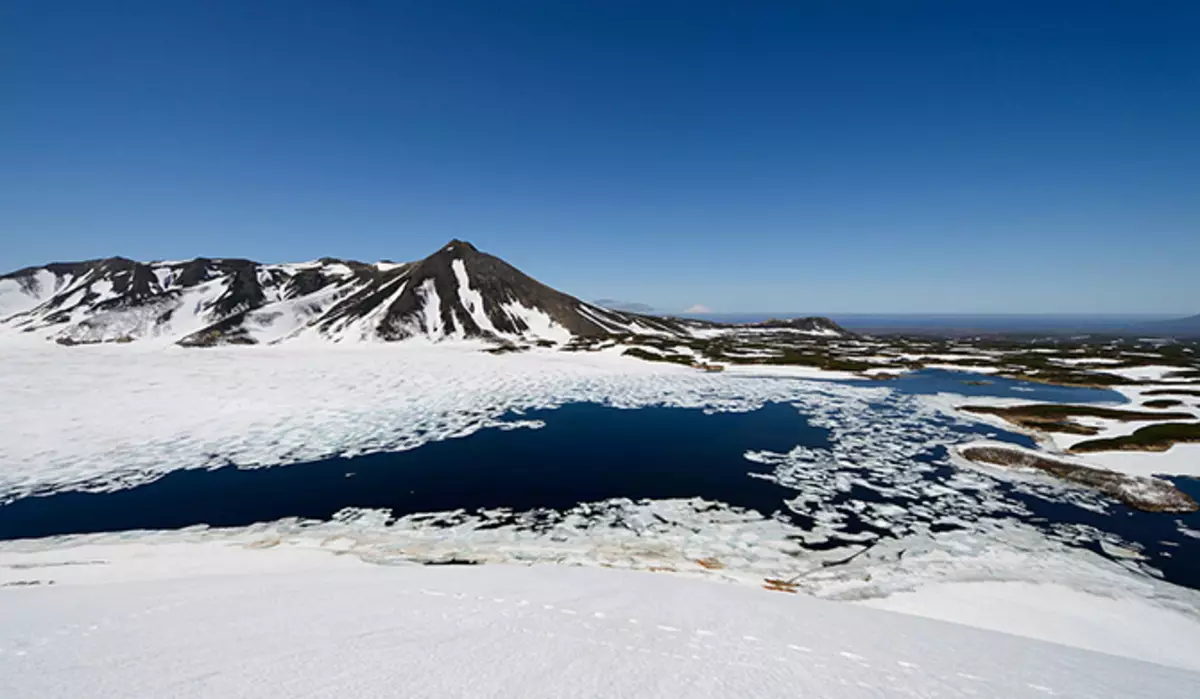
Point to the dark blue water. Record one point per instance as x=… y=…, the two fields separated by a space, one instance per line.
x=585 y=453
x=1175 y=554
x=932 y=381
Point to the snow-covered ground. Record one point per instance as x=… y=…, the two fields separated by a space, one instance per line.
x=1077 y=361
x=1180 y=459
x=1052 y=612
x=1108 y=608
x=1155 y=372
x=203 y=620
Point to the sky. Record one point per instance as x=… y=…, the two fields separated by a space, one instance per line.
x=840 y=157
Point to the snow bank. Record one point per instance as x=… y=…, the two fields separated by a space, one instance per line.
x=253 y=627
x=1144 y=373
x=690 y=538
x=1122 y=626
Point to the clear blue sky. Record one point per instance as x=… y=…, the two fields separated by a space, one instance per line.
x=820 y=156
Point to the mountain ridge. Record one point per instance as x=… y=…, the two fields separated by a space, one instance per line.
x=455 y=293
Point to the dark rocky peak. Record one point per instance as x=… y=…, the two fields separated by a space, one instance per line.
x=133 y=282
x=460 y=246
x=195 y=272
x=304 y=282
x=236 y=263
x=352 y=264
x=244 y=291
x=115 y=265
x=60 y=269
x=445 y=255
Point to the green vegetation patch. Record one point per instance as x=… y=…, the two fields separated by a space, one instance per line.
x=1151 y=438
x=1162 y=403
x=1172 y=392
x=655 y=357
x=1066 y=377
x=1057 y=418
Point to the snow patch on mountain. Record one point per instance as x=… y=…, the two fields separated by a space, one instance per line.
x=471 y=299
x=20 y=294
x=538 y=323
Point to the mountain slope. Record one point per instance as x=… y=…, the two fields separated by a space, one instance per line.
x=457 y=292
x=120 y=300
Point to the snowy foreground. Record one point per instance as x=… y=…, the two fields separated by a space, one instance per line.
x=204 y=620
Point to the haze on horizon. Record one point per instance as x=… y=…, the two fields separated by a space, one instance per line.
x=871 y=157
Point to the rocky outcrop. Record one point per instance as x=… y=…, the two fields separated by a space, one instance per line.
x=1139 y=492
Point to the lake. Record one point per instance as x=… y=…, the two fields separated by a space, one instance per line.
x=933 y=381
x=587 y=452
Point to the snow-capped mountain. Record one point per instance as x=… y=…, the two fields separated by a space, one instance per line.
x=457 y=292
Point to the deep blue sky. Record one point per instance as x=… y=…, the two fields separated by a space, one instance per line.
x=803 y=156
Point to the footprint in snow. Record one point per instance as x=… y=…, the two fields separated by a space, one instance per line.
x=852 y=656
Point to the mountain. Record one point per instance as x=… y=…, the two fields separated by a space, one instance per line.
x=457 y=292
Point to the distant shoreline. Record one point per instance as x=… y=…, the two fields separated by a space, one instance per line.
x=1120 y=324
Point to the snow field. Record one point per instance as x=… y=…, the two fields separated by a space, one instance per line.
x=692 y=539
x=119 y=623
